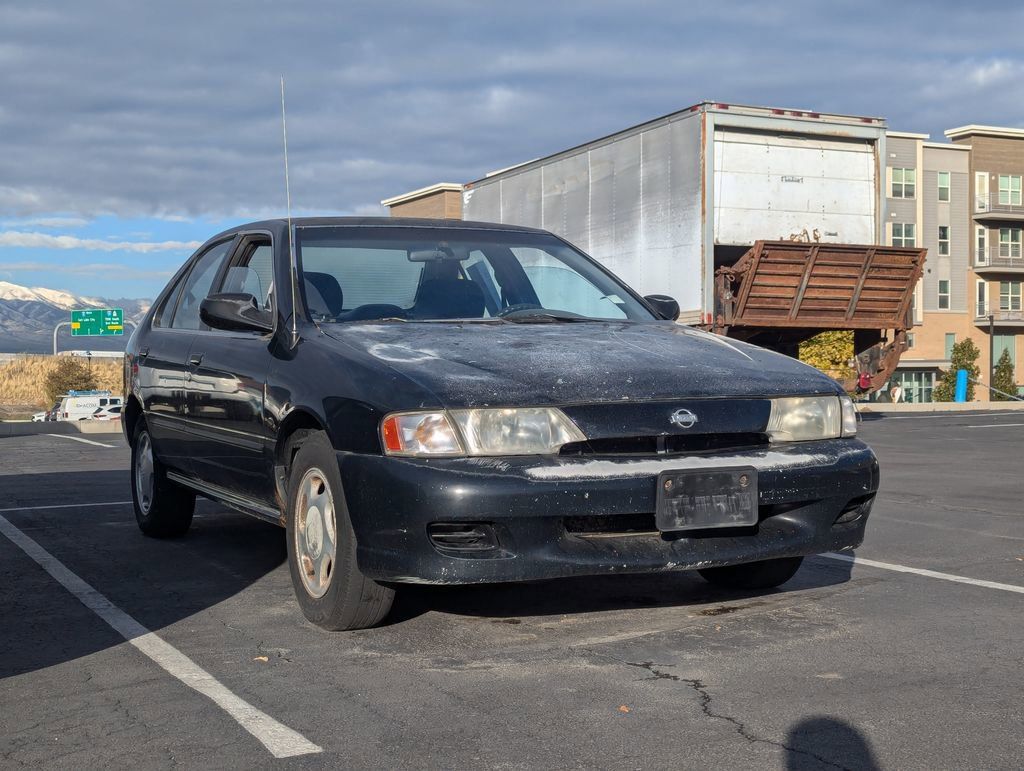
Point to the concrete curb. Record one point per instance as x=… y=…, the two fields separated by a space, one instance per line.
x=98 y=426
x=880 y=407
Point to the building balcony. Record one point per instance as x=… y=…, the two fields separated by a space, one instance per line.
x=986 y=210
x=1001 y=258
x=1001 y=317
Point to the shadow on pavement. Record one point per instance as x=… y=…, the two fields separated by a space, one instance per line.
x=824 y=741
x=156 y=582
x=594 y=594
x=161 y=582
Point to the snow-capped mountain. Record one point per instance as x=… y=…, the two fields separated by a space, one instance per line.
x=28 y=316
x=55 y=297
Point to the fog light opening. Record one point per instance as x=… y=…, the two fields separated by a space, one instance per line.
x=463 y=536
x=854 y=510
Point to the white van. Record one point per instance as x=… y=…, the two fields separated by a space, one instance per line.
x=80 y=405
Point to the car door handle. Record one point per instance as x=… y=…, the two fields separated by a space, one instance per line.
x=195 y=359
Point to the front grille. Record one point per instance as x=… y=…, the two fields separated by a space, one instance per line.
x=684 y=444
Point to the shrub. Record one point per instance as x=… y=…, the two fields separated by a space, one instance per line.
x=830 y=352
x=965 y=356
x=1002 y=379
x=23 y=380
x=69 y=374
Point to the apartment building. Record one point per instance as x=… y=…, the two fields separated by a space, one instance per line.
x=962 y=201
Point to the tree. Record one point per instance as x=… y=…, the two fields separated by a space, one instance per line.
x=68 y=374
x=965 y=356
x=830 y=352
x=1002 y=380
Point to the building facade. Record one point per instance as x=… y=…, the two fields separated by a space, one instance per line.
x=962 y=201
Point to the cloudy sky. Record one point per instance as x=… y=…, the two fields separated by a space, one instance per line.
x=130 y=130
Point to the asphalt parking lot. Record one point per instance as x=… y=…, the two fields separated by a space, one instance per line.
x=849 y=665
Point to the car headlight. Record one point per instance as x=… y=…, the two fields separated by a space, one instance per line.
x=804 y=418
x=520 y=431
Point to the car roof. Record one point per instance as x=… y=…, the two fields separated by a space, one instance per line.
x=376 y=222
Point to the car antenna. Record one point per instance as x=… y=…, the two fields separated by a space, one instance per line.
x=292 y=266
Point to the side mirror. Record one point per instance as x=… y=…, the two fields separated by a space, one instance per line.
x=664 y=306
x=235 y=311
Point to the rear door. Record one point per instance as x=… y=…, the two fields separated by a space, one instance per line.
x=163 y=353
x=227 y=371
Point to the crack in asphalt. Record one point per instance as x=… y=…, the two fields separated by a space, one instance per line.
x=698 y=687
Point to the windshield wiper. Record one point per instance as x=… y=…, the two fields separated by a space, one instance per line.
x=541 y=316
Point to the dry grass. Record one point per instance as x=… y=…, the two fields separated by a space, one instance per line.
x=22 y=381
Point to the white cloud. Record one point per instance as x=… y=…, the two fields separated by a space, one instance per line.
x=47 y=241
x=48 y=222
x=115 y=270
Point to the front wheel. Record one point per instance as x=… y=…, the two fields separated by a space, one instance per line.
x=765 y=574
x=163 y=509
x=331 y=591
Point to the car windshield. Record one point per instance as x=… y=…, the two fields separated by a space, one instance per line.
x=445 y=274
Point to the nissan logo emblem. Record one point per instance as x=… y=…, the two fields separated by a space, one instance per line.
x=683 y=418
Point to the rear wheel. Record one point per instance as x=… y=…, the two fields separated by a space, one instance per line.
x=163 y=509
x=331 y=591
x=754 y=575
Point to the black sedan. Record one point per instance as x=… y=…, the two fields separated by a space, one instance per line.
x=449 y=402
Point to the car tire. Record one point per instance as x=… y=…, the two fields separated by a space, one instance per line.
x=163 y=508
x=329 y=587
x=765 y=574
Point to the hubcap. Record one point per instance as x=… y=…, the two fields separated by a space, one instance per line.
x=144 y=482
x=315 y=532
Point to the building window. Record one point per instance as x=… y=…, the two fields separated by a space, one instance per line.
x=943 y=294
x=944 y=186
x=1009 y=295
x=983 y=308
x=950 y=342
x=1009 y=242
x=904 y=182
x=981 y=246
x=903 y=234
x=1009 y=190
x=943 y=240
x=915 y=386
x=910 y=340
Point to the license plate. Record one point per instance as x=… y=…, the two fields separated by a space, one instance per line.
x=695 y=500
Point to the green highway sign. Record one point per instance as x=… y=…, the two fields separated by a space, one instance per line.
x=97 y=321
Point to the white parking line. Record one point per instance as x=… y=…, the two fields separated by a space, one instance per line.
x=281 y=741
x=951 y=414
x=926 y=573
x=64 y=506
x=80 y=439
x=994 y=425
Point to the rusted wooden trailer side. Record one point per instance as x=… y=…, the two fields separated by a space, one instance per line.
x=780 y=293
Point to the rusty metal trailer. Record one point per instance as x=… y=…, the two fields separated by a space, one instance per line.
x=781 y=293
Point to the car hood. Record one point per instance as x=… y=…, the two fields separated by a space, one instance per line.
x=515 y=364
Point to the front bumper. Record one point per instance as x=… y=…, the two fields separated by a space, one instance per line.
x=535 y=507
